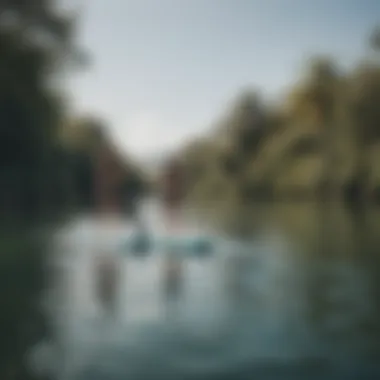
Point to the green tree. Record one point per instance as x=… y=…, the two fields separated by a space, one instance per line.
x=36 y=44
x=315 y=101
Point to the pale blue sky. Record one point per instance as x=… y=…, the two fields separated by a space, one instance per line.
x=167 y=68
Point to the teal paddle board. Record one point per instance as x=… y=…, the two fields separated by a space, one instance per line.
x=143 y=243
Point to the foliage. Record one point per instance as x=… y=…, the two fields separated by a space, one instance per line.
x=322 y=139
x=36 y=42
x=42 y=171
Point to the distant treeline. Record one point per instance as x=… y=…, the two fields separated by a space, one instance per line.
x=322 y=141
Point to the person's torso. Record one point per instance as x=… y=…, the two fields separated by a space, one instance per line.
x=173 y=186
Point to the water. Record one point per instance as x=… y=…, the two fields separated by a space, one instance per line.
x=297 y=299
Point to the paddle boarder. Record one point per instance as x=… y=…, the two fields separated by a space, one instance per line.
x=172 y=187
x=108 y=177
x=173 y=190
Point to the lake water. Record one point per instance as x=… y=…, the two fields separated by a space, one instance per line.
x=298 y=298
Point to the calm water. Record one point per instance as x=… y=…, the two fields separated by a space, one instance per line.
x=298 y=298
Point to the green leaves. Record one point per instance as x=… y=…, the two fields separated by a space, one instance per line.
x=328 y=120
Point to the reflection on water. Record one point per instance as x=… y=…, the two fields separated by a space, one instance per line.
x=21 y=322
x=298 y=300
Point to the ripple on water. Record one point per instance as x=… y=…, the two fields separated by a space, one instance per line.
x=208 y=332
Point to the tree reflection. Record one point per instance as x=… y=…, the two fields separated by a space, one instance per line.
x=22 y=322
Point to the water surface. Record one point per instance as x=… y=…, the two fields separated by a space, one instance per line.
x=298 y=298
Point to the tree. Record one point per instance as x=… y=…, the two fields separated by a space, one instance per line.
x=364 y=101
x=36 y=43
x=316 y=100
x=374 y=40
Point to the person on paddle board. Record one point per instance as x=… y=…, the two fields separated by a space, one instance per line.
x=173 y=189
x=173 y=192
x=109 y=212
x=132 y=192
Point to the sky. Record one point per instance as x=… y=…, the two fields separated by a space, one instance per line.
x=165 y=70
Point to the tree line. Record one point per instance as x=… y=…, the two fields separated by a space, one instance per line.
x=322 y=141
x=42 y=173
